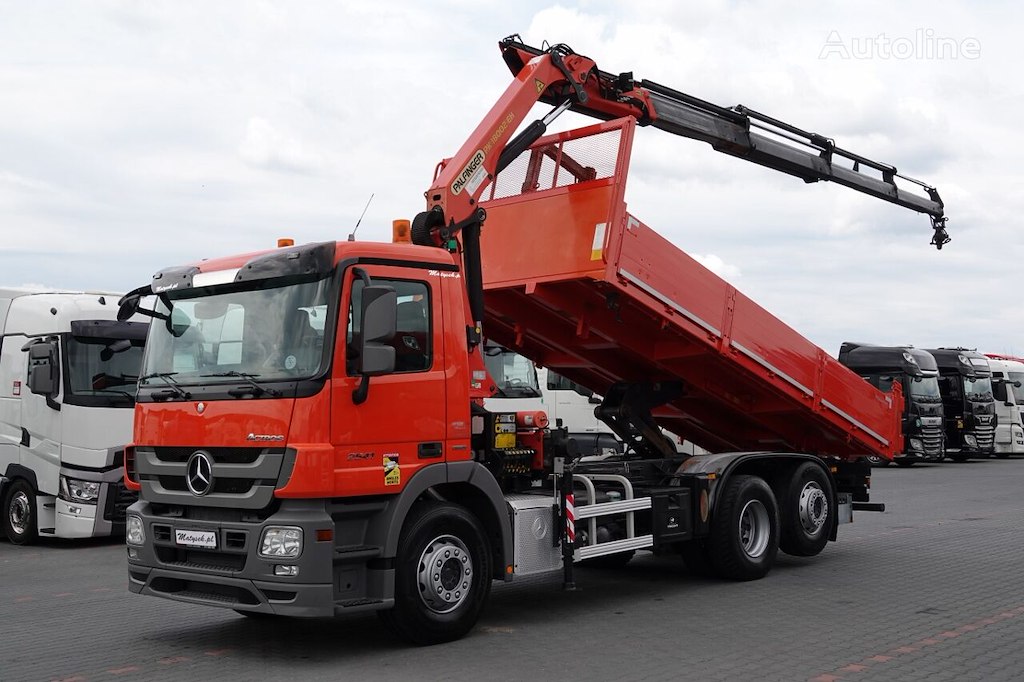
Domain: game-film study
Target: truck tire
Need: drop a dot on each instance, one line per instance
(442, 575)
(806, 513)
(744, 530)
(19, 511)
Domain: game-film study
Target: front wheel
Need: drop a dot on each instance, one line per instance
(442, 575)
(745, 530)
(807, 513)
(19, 522)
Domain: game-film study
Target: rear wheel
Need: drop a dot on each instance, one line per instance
(19, 513)
(442, 575)
(745, 530)
(806, 512)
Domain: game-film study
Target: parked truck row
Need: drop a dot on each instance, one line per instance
(959, 404)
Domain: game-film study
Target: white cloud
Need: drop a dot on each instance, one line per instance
(726, 271)
(265, 146)
(136, 136)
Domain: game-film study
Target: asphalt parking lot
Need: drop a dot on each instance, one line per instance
(931, 589)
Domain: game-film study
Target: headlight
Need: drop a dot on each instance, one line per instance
(916, 444)
(971, 440)
(135, 532)
(281, 541)
(73, 490)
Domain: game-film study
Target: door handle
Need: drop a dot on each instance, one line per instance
(430, 450)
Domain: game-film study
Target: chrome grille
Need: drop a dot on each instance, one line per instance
(931, 436)
(243, 478)
(986, 436)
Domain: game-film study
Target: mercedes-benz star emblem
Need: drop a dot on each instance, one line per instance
(199, 473)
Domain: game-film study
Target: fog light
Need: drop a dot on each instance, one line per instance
(971, 441)
(133, 553)
(74, 510)
(286, 570)
(281, 541)
(135, 531)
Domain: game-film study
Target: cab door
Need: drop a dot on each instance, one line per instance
(400, 427)
(40, 414)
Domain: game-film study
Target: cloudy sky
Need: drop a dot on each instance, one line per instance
(138, 135)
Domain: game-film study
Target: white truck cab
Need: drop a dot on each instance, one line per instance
(1008, 389)
(68, 376)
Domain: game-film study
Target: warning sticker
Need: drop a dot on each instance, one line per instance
(392, 472)
(540, 86)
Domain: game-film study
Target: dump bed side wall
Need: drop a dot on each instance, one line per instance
(581, 286)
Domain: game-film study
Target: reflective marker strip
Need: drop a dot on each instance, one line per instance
(854, 422)
(597, 248)
(772, 368)
(570, 517)
(669, 302)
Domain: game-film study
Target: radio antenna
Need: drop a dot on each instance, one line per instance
(352, 236)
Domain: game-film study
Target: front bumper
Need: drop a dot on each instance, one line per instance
(92, 519)
(235, 576)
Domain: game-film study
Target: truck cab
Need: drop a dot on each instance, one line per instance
(965, 383)
(68, 371)
(1007, 383)
(917, 373)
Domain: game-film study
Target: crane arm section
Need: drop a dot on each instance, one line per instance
(743, 133)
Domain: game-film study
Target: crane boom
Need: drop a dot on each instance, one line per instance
(559, 76)
(744, 133)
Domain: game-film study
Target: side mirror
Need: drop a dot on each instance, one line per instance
(119, 346)
(44, 372)
(378, 322)
(128, 306)
(178, 323)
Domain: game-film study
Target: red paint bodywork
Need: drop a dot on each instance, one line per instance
(637, 308)
(341, 447)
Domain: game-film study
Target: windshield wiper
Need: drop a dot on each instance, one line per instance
(520, 391)
(175, 387)
(256, 389)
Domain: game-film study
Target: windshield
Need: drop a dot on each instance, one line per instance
(925, 389)
(273, 334)
(514, 375)
(102, 372)
(1018, 391)
(978, 389)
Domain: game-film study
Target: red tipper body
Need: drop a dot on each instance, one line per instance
(580, 285)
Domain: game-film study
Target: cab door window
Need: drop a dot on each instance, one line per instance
(413, 335)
